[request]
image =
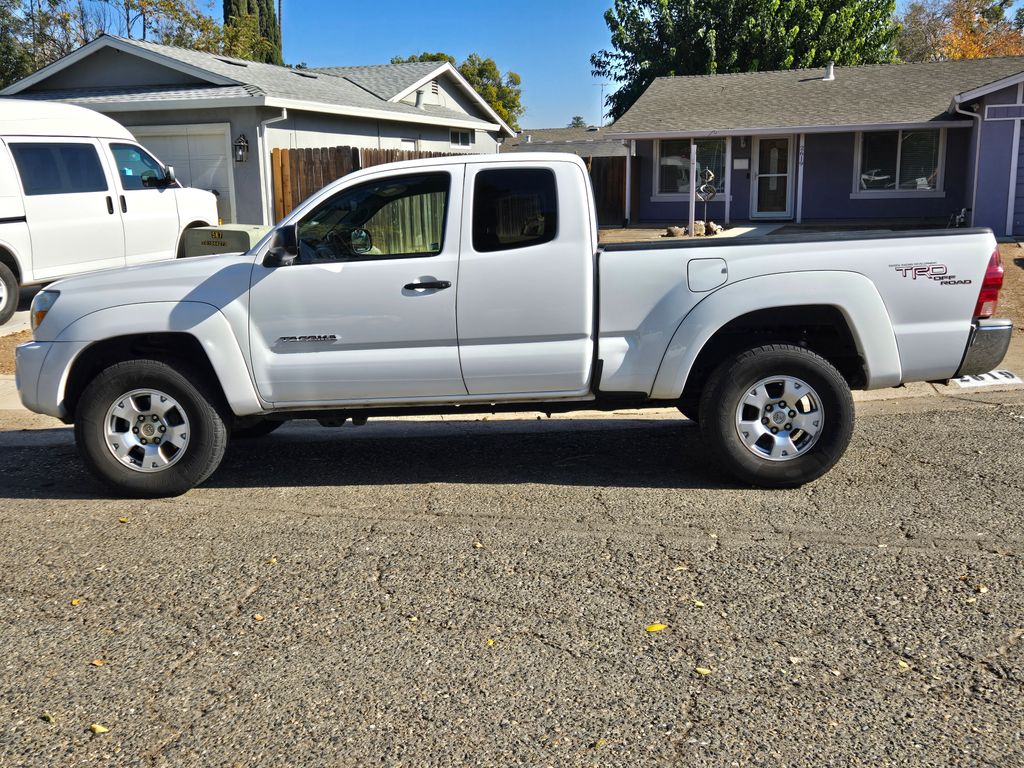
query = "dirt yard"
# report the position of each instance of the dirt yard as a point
(7, 345)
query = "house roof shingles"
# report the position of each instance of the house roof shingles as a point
(252, 79)
(876, 94)
(386, 80)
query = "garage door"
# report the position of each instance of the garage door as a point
(200, 155)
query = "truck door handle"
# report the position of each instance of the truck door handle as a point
(110, 205)
(438, 285)
(124, 205)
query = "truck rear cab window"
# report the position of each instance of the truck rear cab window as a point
(399, 216)
(136, 168)
(514, 208)
(58, 169)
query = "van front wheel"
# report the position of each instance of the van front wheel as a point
(8, 293)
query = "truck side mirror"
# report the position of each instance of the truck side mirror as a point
(169, 174)
(284, 247)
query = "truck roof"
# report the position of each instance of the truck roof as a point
(22, 117)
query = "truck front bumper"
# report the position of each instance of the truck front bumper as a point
(987, 346)
(41, 374)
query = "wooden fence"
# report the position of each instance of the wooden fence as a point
(298, 173)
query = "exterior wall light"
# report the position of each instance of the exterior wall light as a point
(241, 148)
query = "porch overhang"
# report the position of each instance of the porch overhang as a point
(786, 130)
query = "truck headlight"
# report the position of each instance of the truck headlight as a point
(41, 304)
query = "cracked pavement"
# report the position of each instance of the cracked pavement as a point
(468, 593)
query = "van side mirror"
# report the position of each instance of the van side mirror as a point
(284, 247)
(169, 174)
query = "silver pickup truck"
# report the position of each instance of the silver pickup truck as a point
(477, 284)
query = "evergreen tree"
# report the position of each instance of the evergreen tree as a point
(654, 38)
(235, 13)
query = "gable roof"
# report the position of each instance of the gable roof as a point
(799, 99)
(261, 85)
(585, 142)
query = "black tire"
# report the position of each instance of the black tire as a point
(250, 429)
(730, 384)
(207, 433)
(9, 302)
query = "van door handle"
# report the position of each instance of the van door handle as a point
(438, 285)
(110, 205)
(124, 205)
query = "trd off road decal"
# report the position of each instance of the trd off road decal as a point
(931, 270)
(315, 337)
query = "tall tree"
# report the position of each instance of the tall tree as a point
(922, 28)
(501, 91)
(235, 12)
(979, 28)
(654, 38)
(15, 61)
(577, 122)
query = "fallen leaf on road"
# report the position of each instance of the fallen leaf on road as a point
(490, 642)
(982, 588)
(258, 616)
(702, 671)
(971, 600)
(656, 627)
(97, 728)
(902, 664)
(477, 545)
(122, 519)
(599, 743)
(795, 659)
(75, 601)
(413, 619)
(97, 662)
(272, 561)
(47, 717)
(683, 567)
(698, 604)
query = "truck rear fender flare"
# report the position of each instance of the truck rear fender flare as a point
(204, 322)
(851, 293)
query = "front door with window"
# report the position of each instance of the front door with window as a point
(148, 205)
(771, 189)
(368, 310)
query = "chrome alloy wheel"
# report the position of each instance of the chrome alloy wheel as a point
(146, 430)
(779, 418)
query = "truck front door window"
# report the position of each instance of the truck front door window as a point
(394, 217)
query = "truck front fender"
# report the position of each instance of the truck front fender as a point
(202, 321)
(852, 294)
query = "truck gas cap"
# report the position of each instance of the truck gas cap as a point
(706, 274)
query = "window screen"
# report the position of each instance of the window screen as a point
(514, 208)
(58, 169)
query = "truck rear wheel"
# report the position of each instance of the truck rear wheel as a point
(8, 293)
(777, 416)
(148, 429)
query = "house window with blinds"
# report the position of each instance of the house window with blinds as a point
(899, 163)
(674, 165)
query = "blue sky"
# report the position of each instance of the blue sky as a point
(547, 43)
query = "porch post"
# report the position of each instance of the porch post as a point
(800, 181)
(629, 181)
(693, 184)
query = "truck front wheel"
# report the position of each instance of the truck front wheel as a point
(149, 429)
(777, 416)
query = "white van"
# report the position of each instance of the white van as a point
(78, 193)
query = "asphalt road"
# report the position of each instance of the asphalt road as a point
(477, 594)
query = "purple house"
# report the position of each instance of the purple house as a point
(881, 143)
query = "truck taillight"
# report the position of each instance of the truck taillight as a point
(989, 296)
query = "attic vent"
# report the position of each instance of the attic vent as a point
(434, 87)
(300, 73)
(233, 62)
